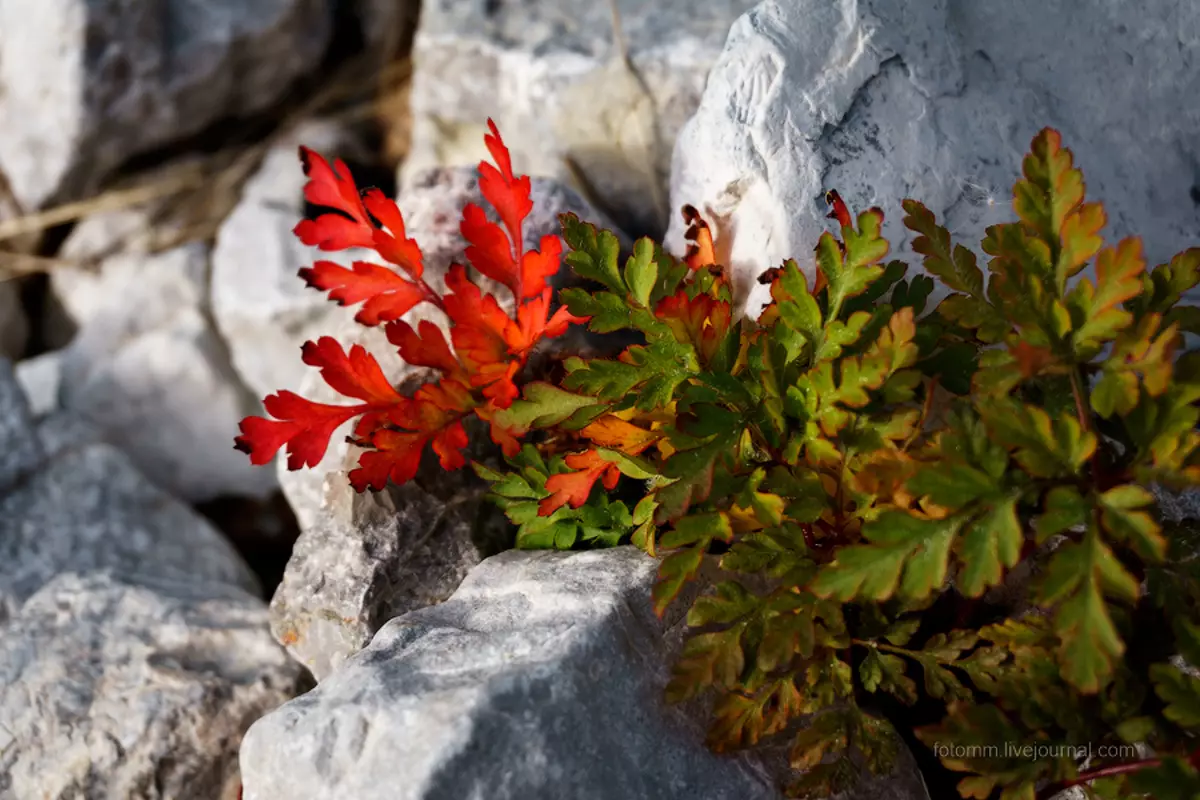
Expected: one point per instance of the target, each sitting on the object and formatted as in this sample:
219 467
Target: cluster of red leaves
487 347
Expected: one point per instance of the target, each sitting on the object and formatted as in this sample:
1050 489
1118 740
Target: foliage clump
902 505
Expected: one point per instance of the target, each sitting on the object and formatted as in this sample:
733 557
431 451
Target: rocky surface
538 678
146 365
541 677
884 99
551 78
113 687
134 646
363 559
84 85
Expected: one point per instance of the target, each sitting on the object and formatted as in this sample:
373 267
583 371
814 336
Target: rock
14 325
363 559
85 84
884 100
540 678
147 366
40 378
111 687
551 78
20 449
89 509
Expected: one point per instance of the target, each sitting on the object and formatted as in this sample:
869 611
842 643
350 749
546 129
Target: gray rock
147 366
540 678
90 509
363 559
20 450
85 84
885 99
111 687
40 378
549 75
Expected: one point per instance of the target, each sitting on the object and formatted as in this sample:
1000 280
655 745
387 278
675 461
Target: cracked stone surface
147 366
548 74
938 101
363 559
85 84
138 689
537 679
540 678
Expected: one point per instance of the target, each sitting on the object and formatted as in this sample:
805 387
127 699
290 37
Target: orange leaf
617 434
574 487
701 252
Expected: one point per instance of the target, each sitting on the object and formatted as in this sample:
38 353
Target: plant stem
1096 774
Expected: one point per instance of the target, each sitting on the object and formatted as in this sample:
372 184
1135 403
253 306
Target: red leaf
434 415
424 347
304 426
481 330
701 321
838 208
509 195
334 188
539 265
490 251
393 244
388 295
574 487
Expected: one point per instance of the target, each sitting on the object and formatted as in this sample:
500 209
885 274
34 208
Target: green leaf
593 253
708 659
693 471
541 405
1065 509
954 266
608 312
641 271
1173 779
849 275
1077 578
990 544
698 529
901 545
1046 448
1096 307
1124 520
1180 691
885 671
728 603
675 570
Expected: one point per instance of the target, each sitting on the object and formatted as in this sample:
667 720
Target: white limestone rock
85 84
549 75
883 99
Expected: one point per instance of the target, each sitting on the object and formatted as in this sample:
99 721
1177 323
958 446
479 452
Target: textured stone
85 84
20 450
137 690
146 365
540 678
549 75
884 99
89 509
40 378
